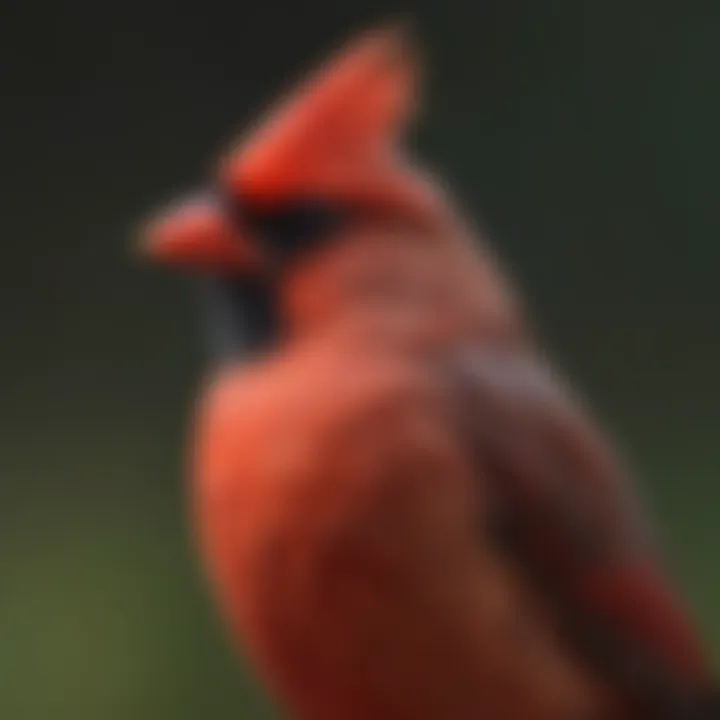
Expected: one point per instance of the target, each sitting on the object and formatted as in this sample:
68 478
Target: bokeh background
584 134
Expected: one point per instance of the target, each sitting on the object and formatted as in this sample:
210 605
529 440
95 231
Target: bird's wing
564 513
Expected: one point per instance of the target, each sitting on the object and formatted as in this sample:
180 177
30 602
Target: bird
404 511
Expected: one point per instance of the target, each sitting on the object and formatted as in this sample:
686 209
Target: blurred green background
582 132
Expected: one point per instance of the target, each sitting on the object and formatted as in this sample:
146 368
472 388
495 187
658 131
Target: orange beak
196 234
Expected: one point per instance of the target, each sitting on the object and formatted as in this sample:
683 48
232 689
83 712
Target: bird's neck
409 285
405 287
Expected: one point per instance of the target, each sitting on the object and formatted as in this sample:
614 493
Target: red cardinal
404 514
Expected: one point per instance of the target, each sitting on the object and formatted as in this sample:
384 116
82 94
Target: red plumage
404 514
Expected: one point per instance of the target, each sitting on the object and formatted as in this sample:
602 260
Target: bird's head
326 160
331 150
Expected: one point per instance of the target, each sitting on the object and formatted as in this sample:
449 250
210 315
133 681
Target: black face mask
240 314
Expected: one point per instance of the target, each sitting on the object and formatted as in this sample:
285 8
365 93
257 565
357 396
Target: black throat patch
241 315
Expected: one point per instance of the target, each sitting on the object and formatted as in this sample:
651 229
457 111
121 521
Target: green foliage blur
582 133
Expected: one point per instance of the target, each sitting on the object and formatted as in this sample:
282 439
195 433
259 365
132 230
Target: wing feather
565 513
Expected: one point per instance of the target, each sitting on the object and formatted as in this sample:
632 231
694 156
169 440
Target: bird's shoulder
531 431
290 414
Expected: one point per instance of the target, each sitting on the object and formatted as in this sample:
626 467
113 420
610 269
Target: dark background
582 132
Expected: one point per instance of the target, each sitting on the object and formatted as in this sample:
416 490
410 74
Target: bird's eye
294 227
